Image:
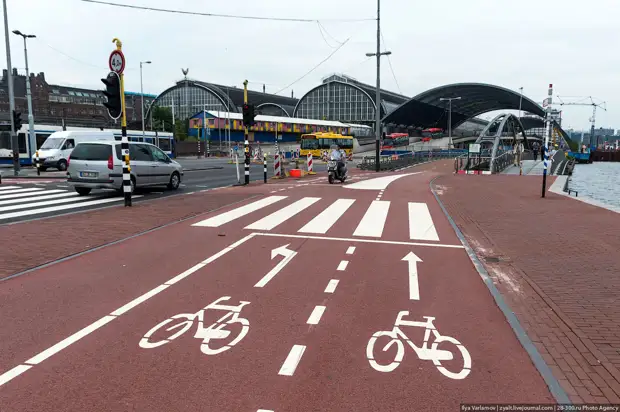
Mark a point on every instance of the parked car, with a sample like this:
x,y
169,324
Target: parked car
x,y
57,148
98,165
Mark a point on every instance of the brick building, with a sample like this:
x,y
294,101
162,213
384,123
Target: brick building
x,y
52,104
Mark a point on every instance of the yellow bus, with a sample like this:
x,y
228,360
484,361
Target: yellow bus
x,y
317,143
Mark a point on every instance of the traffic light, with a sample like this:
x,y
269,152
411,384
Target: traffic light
x,y
17,120
113,94
248,114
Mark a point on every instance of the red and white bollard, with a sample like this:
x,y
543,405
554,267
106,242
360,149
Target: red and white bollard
x,y
310,169
277,170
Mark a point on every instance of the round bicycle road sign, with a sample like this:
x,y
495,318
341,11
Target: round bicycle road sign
x,y
117,61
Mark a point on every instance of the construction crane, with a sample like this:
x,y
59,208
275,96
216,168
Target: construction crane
x,y
594,105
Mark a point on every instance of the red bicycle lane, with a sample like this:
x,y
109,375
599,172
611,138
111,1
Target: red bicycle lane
x,y
108,370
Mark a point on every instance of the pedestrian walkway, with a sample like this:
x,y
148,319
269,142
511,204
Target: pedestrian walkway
x,y
556,264
528,167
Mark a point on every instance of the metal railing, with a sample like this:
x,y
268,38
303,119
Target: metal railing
x,y
397,161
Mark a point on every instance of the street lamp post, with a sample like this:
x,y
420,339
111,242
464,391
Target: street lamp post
x,y
378,96
449,99
14,142
31,139
142,97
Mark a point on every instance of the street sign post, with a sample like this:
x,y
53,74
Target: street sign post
x,y
117,61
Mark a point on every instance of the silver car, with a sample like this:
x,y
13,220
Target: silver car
x,y
98,165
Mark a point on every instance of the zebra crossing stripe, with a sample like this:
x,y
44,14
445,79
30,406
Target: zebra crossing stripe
x,y
326,219
421,226
373,221
16,195
35,196
282,215
43,203
5,193
8,188
236,213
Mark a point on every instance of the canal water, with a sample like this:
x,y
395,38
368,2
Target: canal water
x,y
599,181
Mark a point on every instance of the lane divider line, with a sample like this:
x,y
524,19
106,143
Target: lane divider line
x,y
351,250
343,265
292,360
331,286
35,360
315,316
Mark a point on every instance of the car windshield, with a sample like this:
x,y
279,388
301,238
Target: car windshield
x,y
91,151
53,143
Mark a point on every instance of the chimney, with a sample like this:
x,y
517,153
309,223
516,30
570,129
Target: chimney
x,y
263,88
292,94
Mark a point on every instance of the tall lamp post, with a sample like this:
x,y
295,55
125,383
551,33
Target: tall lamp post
x,y
14,142
449,99
31,138
378,96
142,96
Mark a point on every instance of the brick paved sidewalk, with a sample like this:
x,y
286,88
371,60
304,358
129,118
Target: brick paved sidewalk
x,y
556,262
34,243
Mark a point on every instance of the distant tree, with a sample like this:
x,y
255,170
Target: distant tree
x,y
162,119
181,127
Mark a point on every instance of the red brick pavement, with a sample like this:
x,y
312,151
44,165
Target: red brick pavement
x,y
555,261
30,244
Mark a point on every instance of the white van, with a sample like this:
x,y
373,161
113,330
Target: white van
x,y
56,149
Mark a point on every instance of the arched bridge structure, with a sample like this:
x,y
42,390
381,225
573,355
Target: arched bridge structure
x,y
504,127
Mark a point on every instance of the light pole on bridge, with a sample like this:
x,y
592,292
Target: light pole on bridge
x,y
449,99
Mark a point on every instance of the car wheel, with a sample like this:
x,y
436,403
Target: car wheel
x,y
62,165
175,181
83,191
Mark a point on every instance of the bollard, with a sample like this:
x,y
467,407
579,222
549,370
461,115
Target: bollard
x,y
37,164
310,167
199,148
265,167
276,165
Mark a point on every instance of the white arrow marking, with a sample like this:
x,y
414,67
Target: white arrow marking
x,y
288,256
414,289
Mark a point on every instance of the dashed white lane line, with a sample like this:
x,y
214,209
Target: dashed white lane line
x,y
264,410
343,265
292,360
331,286
351,250
315,316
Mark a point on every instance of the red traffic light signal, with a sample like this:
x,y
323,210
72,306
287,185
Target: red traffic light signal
x,y
113,94
248,114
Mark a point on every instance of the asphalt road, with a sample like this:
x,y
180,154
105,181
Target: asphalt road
x,y
23,199
316,297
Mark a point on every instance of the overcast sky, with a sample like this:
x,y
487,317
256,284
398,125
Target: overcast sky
x,y
524,43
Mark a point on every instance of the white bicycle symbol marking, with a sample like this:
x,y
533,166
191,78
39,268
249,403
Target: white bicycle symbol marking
x,y
424,353
214,331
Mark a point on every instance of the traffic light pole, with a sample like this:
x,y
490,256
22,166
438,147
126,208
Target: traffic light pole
x,y
246,143
124,141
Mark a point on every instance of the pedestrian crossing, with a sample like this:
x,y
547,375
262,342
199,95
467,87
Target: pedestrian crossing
x,y
18,202
372,223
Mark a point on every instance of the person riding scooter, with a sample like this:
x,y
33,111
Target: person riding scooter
x,y
336,155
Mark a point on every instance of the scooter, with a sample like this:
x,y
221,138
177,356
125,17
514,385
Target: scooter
x,y
332,171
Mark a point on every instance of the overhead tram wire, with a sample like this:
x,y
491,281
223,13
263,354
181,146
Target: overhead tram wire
x,y
315,67
229,16
390,63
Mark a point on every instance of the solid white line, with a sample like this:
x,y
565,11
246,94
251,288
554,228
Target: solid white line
x,y
282,215
71,339
13,373
331,286
43,203
16,371
421,224
14,191
326,219
241,211
276,269
373,221
346,239
351,250
138,300
8,187
185,274
58,208
343,265
315,316
63,193
292,360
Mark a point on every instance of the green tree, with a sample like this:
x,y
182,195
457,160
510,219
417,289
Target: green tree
x,y
181,127
162,119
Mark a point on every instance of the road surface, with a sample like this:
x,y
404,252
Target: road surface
x,y
315,298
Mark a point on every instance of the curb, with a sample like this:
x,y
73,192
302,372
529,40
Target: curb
x,y
552,383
